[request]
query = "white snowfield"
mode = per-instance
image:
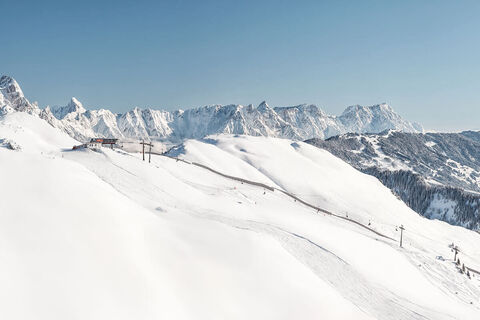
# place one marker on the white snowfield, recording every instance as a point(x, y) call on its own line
point(104, 235)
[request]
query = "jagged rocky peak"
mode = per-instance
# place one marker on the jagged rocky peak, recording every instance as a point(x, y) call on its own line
point(72, 109)
point(136, 112)
point(310, 119)
point(12, 98)
point(75, 104)
point(10, 88)
point(382, 107)
point(374, 119)
point(263, 106)
point(304, 107)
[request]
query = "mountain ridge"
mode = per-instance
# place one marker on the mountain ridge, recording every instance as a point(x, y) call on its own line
point(299, 122)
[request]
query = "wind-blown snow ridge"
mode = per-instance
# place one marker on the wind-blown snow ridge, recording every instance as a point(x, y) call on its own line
point(298, 122)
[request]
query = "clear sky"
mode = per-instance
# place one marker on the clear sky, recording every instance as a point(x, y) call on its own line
point(422, 57)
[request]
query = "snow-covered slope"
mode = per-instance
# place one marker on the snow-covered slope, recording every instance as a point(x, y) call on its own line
point(296, 122)
point(102, 235)
point(32, 135)
point(328, 182)
point(436, 174)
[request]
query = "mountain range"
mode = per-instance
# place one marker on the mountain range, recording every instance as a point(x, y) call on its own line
point(299, 122)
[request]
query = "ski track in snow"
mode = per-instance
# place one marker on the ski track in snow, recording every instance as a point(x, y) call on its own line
point(325, 264)
point(331, 268)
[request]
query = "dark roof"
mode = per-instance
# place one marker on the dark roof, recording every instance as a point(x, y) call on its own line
point(104, 141)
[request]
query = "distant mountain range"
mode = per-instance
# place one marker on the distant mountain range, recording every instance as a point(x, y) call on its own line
point(299, 122)
point(436, 174)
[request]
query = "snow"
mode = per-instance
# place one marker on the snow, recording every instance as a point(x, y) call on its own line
point(463, 172)
point(331, 184)
point(104, 235)
point(300, 122)
point(381, 160)
point(74, 109)
point(442, 208)
point(33, 134)
point(375, 119)
point(296, 122)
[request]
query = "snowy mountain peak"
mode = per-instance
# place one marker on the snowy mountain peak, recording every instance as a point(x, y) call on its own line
point(75, 106)
point(263, 106)
point(352, 109)
point(375, 119)
point(306, 108)
point(72, 109)
point(12, 98)
point(74, 102)
point(385, 106)
point(382, 107)
point(10, 87)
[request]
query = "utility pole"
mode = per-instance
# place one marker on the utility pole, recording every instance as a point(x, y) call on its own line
point(143, 143)
point(401, 235)
point(149, 153)
point(456, 250)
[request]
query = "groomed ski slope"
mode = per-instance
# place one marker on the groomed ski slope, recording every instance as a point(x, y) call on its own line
point(104, 235)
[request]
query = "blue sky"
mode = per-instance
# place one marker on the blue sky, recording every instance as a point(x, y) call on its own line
point(422, 57)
